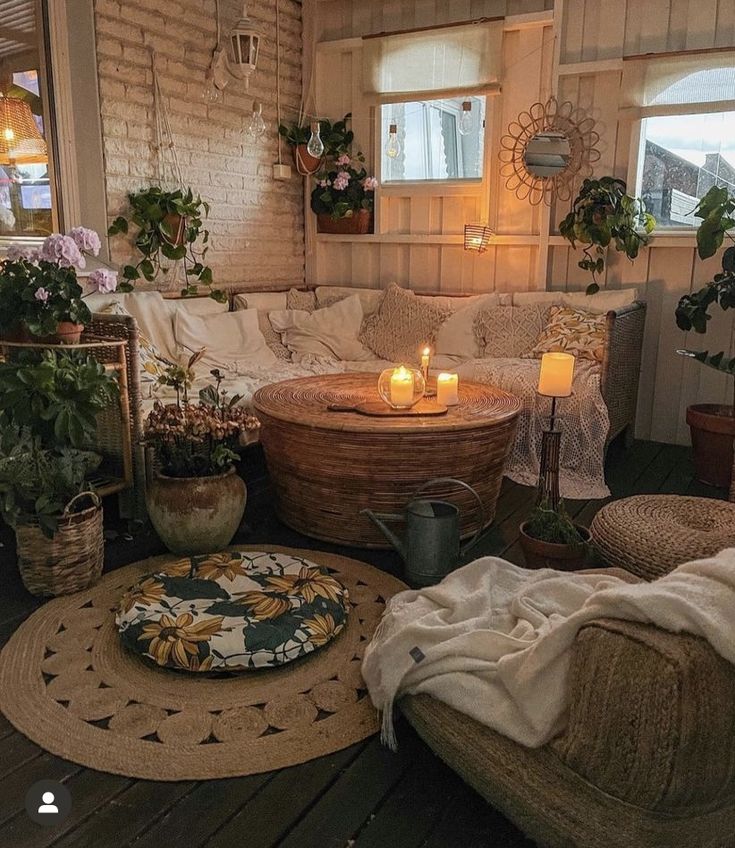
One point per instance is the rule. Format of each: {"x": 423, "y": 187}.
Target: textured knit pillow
{"x": 573, "y": 331}
{"x": 152, "y": 363}
{"x": 272, "y": 338}
{"x": 304, "y": 300}
{"x": 509, "y": 331}
{"x": 402, "y": 326}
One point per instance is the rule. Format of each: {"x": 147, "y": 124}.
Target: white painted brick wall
{"x": 256, "y": 224}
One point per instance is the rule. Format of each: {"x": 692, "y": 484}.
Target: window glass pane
{"x": 26, "y": 196}
{"x": 683, "y": 157}
{"x": 436, "y": 140}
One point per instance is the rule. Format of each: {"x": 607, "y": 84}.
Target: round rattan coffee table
{"x": 328, "y": 466}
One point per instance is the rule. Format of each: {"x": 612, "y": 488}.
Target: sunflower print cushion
{"x": 573, "y": 331}
{"x": 232, "y": 611}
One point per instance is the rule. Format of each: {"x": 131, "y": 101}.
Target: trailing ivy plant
{"x": 337, "y": 138}
{"x": 170, "y": 227}
{"x": 717, "y": 213}
{"x": 601, "y": 214}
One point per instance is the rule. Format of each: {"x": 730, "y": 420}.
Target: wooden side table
{"x": 328, "y": 466}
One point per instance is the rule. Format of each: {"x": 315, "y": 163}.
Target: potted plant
{"x": 550, "y": 539}
{"x": 712, "y": 425}
{"x": 603, "y": 213}
{"x": 343, "y": 199}
{"x": 57, "y": 519}
{"x": 170, "y": 227}
{"x": 41, "y": 298}
{"x": 336, "y": 138}
{"x": 195, "y": 498}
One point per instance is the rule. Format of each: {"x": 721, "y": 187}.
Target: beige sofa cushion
{"x": 232, "y": 340}
{"x": 329, "y": 295}
{"x": 456, "y": 337}
{"x": 264, "y": 301}
{"x": 603, "y": 301}
{"x": 573, "y": 331}
{"x": 509, "y": 331}
{"x": 402, "y": 326}
{"x": 302, "y": 300}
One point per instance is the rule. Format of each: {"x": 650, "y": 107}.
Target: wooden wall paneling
{"x": 701, "y": 22}
{"x": 653, "y": 27}
{"x": 677, "y": 24}
{"x": 424, "y": 267}
{"x": 610, "y": 35}
{"x": 514, "y": 267}
{"x": 592, "y": 23}
{"x": 425, "y": 12}
{"x": 572, "y": 29}
{"x": 725, "y": 34}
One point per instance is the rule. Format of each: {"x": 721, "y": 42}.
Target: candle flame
{"x": 426, "y": 351}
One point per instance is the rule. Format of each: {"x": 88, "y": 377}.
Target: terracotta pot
{"x": 68, "y": 333}
{"x": 177, "y": 225}
{"x": 359, "y": 223}
{"x": 713, "y": 429}
{"x": 539, "y": 554}
{"x": 306, "y": 164}
{"x": 196, "y": 515}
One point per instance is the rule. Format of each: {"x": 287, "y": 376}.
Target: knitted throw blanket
{"x": 494, "y": 640}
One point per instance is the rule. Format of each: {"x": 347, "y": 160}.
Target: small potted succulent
{"x": 170, "y": 227}
{"x": 601, "y": 214}
{"x": 41, "y": 299}
{"x": 550, "y": 539}
{"x": 336, "y": 139}
{"x": 344, "y": 197}
{"x": 195, "y": 497}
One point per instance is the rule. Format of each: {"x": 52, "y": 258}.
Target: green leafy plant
{"x": 343, "y": 188}
{"x": 553, "y": 525}
{"x": 37, "y": 483}
{"x": 717, "y": 213}
{"x": 170, "y": 227}
{"x": 56, "y": 395}
{"x": 337, "y": 137}
{"x": 601, "y": 214}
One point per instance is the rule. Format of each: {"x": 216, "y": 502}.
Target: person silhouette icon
{"x": 48, "y": 805}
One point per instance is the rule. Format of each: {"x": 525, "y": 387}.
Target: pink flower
{"x": 370, "y": 183}
{"x": 86, "y": 240}
{"x": 323, "y": 183}
{"x": 341, "y": 181}
{"x": 103, "y": 280}
{"x": 16, "y": 252}
{"x": 41, "y": 294}
{"x": 344, "y": 159}
{"x": 62, "y": 251}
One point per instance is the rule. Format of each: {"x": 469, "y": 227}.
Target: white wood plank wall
{"x": 418, "y": 240}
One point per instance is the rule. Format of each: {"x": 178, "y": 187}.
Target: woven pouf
{"x": 649, "y": 535}
{"x": 232, "y": 611}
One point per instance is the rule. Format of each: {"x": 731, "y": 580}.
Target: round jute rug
{"x": 67, "y": 684}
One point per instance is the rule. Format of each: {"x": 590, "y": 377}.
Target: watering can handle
{"x": 480, "y": 508}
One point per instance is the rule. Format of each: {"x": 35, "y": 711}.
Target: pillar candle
{"x": 447, "y": 389}
{"x": 556, "y": 375}
{"x": 425, "y": 360}
{"x": 401, "y": 387}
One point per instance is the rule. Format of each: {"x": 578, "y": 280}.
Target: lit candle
{"x": 447, "y": 389}
{"x": 425, "y": 359}
{"x": 556, "y": 375}
{"x": 401, "y": 387}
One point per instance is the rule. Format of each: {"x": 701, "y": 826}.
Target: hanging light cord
{"x": 163, "y": 132}
{"x": 278, "y": 74}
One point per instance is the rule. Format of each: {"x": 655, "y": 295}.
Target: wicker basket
{"x": 69, "y": 562}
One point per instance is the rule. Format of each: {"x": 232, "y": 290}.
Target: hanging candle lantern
{"x": 245, "y": 41}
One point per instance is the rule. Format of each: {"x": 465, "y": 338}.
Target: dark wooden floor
{"x": 364, "y": 796}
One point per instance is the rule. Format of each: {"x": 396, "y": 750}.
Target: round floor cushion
{"x": 649, "y": 535}
{"x": 232, "y": 611}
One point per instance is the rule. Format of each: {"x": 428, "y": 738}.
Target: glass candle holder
{"x": 401, "y": 387}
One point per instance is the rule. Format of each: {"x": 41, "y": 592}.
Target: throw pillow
{"x": 152, "y": 362}
{"x": 573, "y": 331}
{"x": 233, "y": 340}
{"x": 272, "y": 337}
{"x": 456, "y": 336}
{"x": 330, "y": 332}
{"x": 509, "y": 331}
{"x": 402, "y": 326}
{"x": 303, "y": 300}
{"x": 329, "y": 295}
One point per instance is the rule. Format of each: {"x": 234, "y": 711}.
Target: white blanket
{"x": 494, "y": 640}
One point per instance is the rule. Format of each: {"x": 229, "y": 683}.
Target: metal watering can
{"x": 432, "y": 547}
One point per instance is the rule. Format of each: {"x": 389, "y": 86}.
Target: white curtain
{"x": 678, "y": 85}
{"x": 425, "y": 65}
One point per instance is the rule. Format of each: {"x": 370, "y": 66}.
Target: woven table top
{"x": 305, "y": 401}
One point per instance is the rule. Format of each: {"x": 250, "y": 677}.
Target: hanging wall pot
{"x": 306, "y": 164}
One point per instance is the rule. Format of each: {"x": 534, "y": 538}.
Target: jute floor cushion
{"x": 649, "y": 535}
{"x": 69, "y": 684}
{"x": 232, "y": 611}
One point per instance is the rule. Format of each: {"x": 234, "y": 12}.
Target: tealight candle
{"x": 447, "y": 389}
{"x": 425, "y": 360}
{"x": 401, "y": 387}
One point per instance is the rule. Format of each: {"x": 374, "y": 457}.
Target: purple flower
{"x": 41, "y": 294}
{"x": 103, "y": 280}
{"x": 344, "y": 159}
{"x": 86, "y": 240}
{"x": 341, "y": 181}
{"x": 16, "y": 252}
{"x": 370, "y": 183}
{"x": 62, "y": 251}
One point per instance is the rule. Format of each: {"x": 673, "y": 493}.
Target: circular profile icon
{"x": 48, "y": 802}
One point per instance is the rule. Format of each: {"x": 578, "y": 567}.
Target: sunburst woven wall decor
{"x": 562, "y": 123}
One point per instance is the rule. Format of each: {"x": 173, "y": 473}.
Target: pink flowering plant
{"x": 39, "y": 287}
{"x": 344, "y": 188}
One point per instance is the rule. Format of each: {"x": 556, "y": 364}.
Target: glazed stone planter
{"x": 196, "y": 515}
{"x": 540, "y": 554}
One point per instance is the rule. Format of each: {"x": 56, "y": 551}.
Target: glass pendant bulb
{"x": 315, "y": 147}
{"x": 393, "y": 147}
{"x": 256, "y": 125}
{"x": 466, "y": 123}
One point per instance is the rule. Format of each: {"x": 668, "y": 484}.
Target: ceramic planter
{"x": 540, "y": 554}
{"x": 66, "y": 333}
{"x": 177, "y": 225}
{"x": 713, "y": 429}
{"x": 306, "y": 164}
{"x": 196, "y": 515}
{"x": 359, "y": 223}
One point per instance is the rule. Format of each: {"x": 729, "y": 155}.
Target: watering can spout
{"x": 379, "y": 519}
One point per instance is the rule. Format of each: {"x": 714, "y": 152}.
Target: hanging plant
{"x": 603, "y": 213}
{"x": 335, "y": 136}
{"x": 170, "y": 227}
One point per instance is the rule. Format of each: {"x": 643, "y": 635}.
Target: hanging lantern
{"x": 20, "y": 140}
{"x": 477, "y": 237}
{"x": 245, "y": 42}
